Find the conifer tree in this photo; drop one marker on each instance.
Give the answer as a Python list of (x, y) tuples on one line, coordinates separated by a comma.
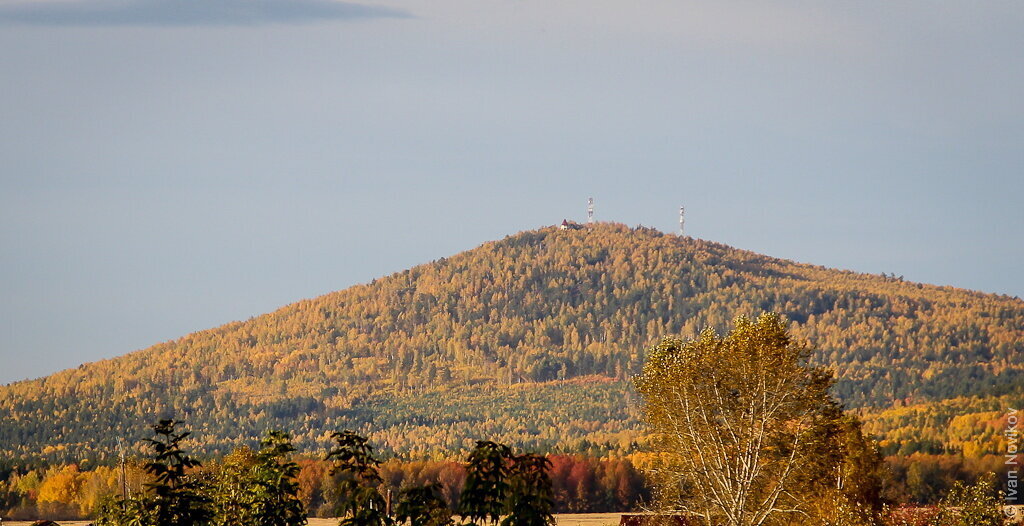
[(486, 490), (531, 499), (274, 483), (174, 497), (361, 503), (177, 496), (423, 506)]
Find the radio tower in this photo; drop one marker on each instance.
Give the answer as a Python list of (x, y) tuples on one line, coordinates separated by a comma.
[(590, 210), (124, 472), (682, 219)]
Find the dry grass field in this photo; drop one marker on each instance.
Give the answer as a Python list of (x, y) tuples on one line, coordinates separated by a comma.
[(588, 519), (569, 519), (580, 519)]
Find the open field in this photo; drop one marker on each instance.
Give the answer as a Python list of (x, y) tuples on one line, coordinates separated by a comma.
[(588, 519), (576, 519), (568, 519)]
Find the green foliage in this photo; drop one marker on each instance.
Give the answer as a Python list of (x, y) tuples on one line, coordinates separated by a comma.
[(497, 483), (276, 489), (414, 353), (360, 501), (531, 497), (423, 506), (840, 510), (971, 426), (259, 489), (125, 512), (579, 485), (979, 504), (487, 488), (861, 470), (229, 483), (174, 497)]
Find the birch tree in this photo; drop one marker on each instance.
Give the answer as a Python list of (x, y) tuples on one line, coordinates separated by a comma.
[(745, 426)]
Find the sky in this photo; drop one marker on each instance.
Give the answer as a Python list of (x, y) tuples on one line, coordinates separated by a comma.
[(173, 165)]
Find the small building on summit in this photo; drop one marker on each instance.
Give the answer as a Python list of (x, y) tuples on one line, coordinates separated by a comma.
[(568, 225)]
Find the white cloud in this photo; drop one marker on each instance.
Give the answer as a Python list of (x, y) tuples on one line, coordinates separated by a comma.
[(186, 12)]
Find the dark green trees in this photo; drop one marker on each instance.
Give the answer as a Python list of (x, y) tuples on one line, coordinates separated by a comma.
[(247, 489), (531, 500), (358, 481), (486, 490), (174, 497), (423, 506), (275, 490), (177, 497), (497, 484), (259, 488)]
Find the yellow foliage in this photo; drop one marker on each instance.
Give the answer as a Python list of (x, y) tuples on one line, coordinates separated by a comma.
[(538, 307), (61, 485)]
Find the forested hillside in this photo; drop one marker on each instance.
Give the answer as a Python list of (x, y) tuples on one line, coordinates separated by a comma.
[(530, 340)]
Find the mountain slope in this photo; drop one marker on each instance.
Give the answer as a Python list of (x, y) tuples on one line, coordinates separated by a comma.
[(530, 339)]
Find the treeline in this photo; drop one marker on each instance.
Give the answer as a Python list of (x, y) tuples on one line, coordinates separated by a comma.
[(579, 484), (924, 479), (968, 426), (409, 357)]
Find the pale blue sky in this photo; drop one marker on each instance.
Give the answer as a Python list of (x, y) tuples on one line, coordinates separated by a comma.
[(169, 166)]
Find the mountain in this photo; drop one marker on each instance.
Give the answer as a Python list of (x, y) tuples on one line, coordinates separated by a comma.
[(531, 340)]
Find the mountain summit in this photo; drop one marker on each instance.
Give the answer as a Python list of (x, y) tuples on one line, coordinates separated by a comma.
[(530, 340)]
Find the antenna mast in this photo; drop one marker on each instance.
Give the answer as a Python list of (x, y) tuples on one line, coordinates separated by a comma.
[(590, 210), (682, 219), (124, 472)]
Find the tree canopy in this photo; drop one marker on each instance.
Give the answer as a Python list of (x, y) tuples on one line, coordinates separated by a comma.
[(747, 428), (507, 338)]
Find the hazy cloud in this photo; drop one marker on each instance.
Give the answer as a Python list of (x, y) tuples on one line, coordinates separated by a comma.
[(186, 12)]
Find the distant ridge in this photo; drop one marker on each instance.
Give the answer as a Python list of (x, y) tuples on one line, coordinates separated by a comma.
[(532, 340)]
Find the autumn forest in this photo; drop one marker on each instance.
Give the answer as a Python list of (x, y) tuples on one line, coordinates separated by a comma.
[(531, 341)]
